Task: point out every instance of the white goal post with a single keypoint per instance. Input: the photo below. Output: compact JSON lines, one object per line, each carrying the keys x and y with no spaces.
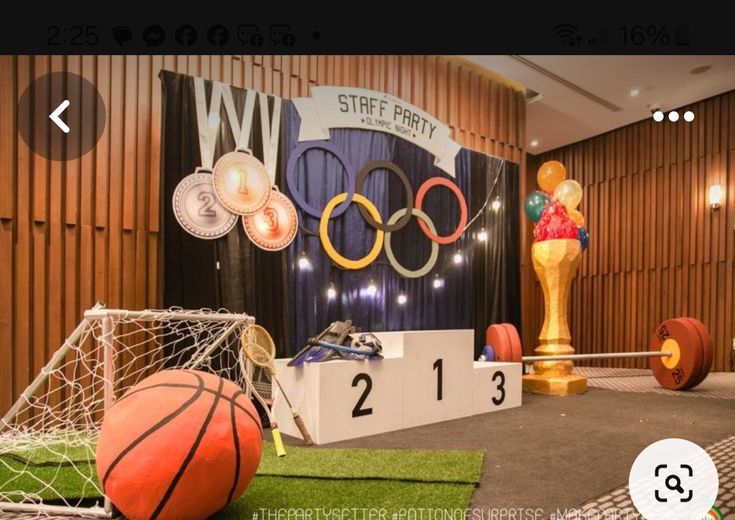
{"x":48,"y":437}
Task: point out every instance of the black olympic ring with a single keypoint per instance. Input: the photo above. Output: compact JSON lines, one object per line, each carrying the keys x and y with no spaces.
{"x":360,"y":180}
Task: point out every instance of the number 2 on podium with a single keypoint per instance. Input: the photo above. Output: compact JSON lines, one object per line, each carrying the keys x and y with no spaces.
{"x":358,"y":410}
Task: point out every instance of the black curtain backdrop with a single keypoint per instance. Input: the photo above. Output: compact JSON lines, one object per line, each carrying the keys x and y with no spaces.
{"x":248,"y":279}
{"x":291,"y":302}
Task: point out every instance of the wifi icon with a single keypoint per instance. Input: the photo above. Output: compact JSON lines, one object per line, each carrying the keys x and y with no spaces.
{"x":568,"y":33}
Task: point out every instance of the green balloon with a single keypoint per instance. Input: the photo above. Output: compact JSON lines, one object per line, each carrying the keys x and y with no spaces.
{"x":535,"y":204}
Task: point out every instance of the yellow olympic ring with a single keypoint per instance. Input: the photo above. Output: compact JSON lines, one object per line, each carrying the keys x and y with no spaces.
{"x":332,"y":253}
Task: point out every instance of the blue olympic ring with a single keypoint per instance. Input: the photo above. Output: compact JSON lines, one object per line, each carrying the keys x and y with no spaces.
{"x":291,"y":176}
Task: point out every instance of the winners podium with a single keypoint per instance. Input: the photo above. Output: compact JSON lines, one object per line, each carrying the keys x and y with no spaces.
{"x":424,"y":377}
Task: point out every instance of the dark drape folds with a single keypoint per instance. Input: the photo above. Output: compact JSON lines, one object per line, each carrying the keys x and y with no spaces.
{"x":292,"y":302}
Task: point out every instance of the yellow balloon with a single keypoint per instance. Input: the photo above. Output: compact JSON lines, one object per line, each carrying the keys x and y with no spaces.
{"x":577,"y":217}
{"x":569,"y":193}
{"x":550,"y":175}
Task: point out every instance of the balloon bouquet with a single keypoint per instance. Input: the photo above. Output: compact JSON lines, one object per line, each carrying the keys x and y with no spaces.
{"x":560,"y":239}
{"x":554,"y":209}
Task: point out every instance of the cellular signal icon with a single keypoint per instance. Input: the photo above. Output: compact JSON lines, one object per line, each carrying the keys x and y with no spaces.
{"x":600,"y":38}
{"x":568,"y":33}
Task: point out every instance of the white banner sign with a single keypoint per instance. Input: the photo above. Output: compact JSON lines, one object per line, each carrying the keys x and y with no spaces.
{"x":346,"y":107}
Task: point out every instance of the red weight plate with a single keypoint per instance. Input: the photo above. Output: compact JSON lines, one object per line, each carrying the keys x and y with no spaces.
{"x":707,"y":349}
{"x":515,"y":342}
{"x":497,"y":336}
{"x":686,"y":370}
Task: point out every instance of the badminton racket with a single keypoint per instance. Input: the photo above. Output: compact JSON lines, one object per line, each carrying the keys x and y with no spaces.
{"x":275,"y":432}
{"x":258,"y":347}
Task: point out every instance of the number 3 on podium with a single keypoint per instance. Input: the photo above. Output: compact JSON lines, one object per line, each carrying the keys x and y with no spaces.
{"x":500,"y":377}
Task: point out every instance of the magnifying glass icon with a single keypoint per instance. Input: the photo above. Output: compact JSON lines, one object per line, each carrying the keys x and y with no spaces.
{"x":677,"y":486}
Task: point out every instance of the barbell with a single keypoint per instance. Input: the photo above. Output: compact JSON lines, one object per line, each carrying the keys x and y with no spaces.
{"x":680,"y":351}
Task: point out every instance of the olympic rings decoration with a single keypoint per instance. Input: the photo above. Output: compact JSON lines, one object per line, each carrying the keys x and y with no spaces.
{"x":360,"y":180}
{"x":430,"y":263}
{"x":327,"y":244}
{"x":355,"y":182}
{"x":291,"y":177}
{"x":423,"y":189}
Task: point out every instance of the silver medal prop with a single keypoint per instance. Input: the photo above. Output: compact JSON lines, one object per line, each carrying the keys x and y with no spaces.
{"x":195,"y":204}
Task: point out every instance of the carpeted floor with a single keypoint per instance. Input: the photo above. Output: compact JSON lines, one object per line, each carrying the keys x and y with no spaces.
{"x":719,"y":385}
{"x":558,"y":453}
{"x":723,"y":455}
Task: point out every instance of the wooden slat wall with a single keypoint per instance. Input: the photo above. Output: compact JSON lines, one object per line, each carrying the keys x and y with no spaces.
{"x":657,"y":250}
{"x":88,"y":230}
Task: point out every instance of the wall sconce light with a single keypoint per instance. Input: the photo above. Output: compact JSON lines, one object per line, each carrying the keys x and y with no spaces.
{"x":716,"y":194}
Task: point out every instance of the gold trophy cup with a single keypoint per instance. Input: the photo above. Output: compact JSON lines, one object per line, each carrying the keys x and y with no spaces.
{"x":555,"y":263}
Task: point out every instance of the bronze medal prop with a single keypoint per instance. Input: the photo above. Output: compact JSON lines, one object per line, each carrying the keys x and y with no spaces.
{"x":274,"y":227}
{"x":241,"y":182}
{"x":197,"y":209}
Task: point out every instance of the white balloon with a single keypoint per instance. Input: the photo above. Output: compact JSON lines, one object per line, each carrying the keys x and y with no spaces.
{"x":569,"y":193}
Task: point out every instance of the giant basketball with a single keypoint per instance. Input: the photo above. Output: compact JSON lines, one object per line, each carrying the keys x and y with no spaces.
{"x":179,"y":444}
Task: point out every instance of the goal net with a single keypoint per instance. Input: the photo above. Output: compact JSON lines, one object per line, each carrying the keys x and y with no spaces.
{"x":48,"y":437}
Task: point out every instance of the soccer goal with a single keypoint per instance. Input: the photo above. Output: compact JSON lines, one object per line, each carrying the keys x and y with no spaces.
{"x":48,"y":437}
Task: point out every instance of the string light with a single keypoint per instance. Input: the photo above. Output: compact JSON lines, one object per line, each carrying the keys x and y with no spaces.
{"x":496,"y":205}
{"x":402,"y":299}
{"x":482,"y":235}
{"x":304,"y":263}
{"x":458,"y":257}
{"x":331,"y":292}
{"x":438,"y":282}
{"x":372,"y":289}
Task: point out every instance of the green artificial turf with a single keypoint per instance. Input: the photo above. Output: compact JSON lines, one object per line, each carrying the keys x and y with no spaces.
{"x":308,"y":494}
{"x":57,"y":447}
{"x":411,"y":465}
{"x":306,"y":478}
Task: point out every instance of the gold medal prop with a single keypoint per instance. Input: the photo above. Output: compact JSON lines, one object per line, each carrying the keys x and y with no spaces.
{"x":274,"y":227}
{"x":194,"y":203}
{"x":241,"y":182}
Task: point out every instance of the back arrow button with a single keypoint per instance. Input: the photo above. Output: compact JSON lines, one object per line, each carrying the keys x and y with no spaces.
{"x":61,"y":116}
{"x":54,"y":116}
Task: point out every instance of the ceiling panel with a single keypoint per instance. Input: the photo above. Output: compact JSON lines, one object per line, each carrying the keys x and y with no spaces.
{"x":563,"y":115}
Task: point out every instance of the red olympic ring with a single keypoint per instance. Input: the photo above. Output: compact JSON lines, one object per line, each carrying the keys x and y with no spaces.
{"x":425,"y":187}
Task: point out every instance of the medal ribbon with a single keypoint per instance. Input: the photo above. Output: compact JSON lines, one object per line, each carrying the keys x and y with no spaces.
{"x":208,"y":123}
{"x":241,"y":132}
{"x":270,"y":133}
